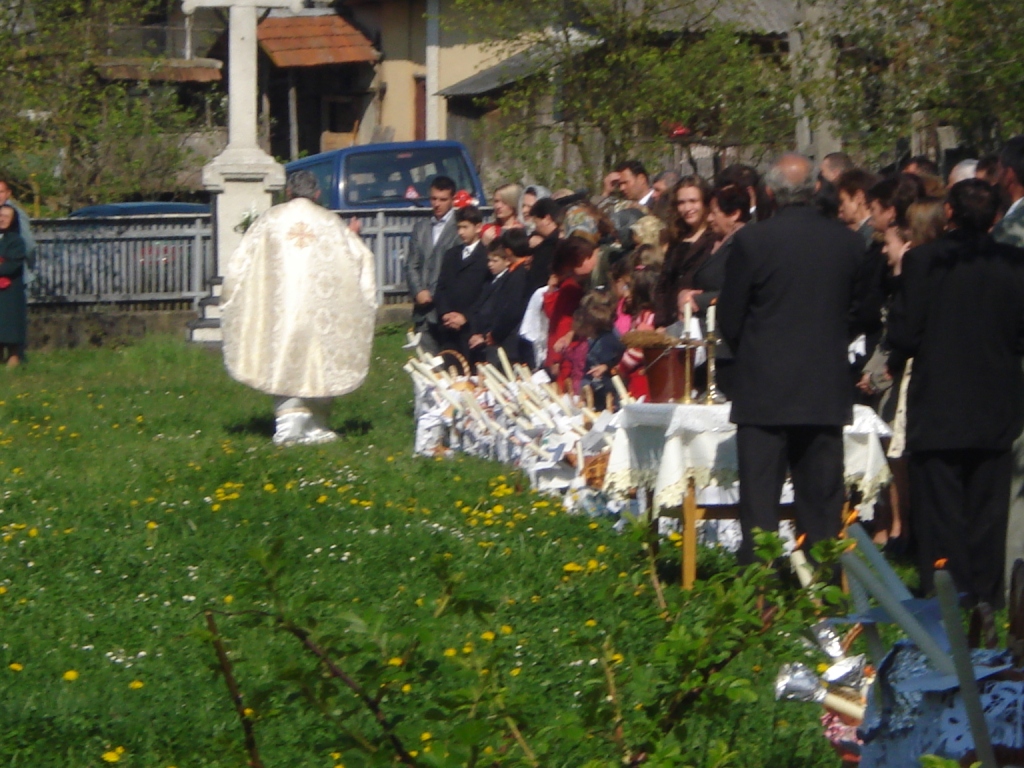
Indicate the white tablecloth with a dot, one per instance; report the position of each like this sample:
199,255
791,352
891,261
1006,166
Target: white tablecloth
664,446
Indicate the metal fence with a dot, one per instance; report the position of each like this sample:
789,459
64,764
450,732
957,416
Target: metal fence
171,257
122,259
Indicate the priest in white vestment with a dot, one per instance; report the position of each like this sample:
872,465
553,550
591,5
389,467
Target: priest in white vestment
297,311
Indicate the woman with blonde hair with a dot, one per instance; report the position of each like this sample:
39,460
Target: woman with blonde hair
506,207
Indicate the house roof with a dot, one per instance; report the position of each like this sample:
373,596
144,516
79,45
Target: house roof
169,70
508,71
312,40
767,17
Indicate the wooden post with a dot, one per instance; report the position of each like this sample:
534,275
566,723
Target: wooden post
293,117
691,514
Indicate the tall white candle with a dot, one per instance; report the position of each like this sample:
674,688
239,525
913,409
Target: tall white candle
711,319
687,316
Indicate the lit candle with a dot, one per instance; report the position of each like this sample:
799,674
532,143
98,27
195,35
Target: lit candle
711,319
798,561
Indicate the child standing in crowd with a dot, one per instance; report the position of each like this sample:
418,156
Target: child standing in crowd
641,305
573,261
463,275
494,321
619,275
603,349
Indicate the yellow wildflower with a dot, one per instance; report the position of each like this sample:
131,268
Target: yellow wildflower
321,499
488,636
33,532
3,590
590,623
152,525
406,688
15,667
396,661
135,684
506,629
248,711
450,652
616,658
601,549
111,756
71,675
425,736
228,599
515,671
572,567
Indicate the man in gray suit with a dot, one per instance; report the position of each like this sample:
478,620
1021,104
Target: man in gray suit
1010,230
430,239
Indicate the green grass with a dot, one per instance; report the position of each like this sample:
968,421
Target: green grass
139,486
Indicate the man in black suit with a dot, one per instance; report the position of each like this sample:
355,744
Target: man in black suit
785,309
463,275
960,315
547,218
431,238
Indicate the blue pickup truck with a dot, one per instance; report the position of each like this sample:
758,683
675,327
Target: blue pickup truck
394,175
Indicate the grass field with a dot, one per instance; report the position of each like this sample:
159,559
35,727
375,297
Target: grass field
140,488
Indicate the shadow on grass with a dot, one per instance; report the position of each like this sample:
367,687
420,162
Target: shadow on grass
264,426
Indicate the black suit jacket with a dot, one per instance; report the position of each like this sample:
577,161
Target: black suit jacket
500,310
959,313
540,267
461,280
784,310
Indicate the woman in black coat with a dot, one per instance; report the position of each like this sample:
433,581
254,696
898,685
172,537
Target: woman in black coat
13,309
728,212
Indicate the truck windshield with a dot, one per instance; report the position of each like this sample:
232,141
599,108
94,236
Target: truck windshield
388,176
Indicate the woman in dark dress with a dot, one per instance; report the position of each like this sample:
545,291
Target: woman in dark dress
690,243
12,288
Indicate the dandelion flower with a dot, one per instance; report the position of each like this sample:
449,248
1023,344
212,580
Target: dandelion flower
406,688
450,652
3,590
152,525
601,549
135,684
506,629
590,623
616,658
15,667
396,661
269,487
425,736
572,567
248,711
111,756
592,565
515,671
228,599
71,675
488,636
321,498
33,532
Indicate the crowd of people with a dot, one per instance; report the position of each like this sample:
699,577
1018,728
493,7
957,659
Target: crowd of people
833,285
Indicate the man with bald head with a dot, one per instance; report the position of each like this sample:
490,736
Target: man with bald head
785,310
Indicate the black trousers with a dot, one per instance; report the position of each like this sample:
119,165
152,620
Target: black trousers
814,456
961,499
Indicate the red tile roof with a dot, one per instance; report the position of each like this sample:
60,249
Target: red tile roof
311,41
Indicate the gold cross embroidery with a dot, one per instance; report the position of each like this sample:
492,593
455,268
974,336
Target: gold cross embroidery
301,234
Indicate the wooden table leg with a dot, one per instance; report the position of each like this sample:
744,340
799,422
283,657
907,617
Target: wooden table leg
689,552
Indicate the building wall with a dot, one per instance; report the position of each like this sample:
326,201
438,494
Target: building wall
400,28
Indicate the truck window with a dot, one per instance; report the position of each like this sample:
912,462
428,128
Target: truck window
388,175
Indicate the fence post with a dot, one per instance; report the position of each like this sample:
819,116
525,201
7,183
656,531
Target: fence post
198,262
380,255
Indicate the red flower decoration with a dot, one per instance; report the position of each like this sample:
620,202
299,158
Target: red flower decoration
462,199
5,282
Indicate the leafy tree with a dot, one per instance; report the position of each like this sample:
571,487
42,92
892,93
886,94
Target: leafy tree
612,79
903,65
69,135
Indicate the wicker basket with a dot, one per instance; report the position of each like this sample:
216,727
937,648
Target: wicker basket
595,468
451,356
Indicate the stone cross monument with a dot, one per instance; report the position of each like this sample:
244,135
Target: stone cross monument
243,176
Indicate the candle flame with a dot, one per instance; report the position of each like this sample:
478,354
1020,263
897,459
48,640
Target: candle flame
852,517
800,540
941,562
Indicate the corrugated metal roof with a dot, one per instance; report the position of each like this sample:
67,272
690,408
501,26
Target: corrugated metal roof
768,17
510,70
313,40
